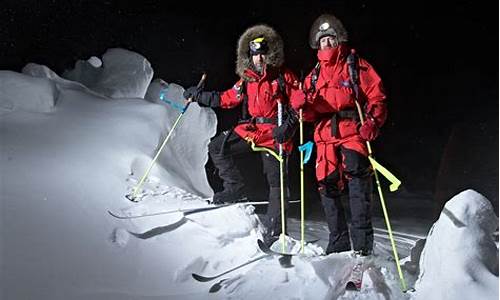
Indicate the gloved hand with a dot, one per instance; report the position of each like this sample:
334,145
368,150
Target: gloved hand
369,130
285,132
210,99
192,92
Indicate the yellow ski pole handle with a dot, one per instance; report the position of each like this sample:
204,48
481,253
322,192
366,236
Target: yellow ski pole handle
146,174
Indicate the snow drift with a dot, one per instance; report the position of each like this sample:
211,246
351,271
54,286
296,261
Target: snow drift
460,258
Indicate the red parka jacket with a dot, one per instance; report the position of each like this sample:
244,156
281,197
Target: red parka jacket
332,94
263,94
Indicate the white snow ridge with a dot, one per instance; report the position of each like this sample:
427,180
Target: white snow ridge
71,149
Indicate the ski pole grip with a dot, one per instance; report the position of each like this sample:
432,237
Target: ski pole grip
199,85
203,77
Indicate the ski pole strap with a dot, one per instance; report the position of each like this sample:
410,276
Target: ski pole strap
255,148
175,105
307,148
395,183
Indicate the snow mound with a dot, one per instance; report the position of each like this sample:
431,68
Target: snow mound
41,71
461,249
26,93
120,74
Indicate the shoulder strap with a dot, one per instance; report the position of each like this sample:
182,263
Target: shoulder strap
282,86
352,64
314,77
242,94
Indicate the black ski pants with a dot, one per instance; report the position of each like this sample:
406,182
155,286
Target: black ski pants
222,150
357,171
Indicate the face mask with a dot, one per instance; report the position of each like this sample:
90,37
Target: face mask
330,54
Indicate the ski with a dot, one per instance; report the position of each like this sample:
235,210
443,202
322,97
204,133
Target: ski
267,253
202,278
184,211
188,211
355,280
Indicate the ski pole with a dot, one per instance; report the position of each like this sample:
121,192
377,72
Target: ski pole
382,202
302,198
282,183
133,196
351,61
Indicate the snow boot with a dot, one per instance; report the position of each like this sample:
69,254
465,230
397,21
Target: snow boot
230,196
272,220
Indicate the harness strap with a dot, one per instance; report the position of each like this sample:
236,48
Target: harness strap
337,116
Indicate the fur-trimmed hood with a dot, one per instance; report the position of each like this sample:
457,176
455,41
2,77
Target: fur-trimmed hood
275,56
333,27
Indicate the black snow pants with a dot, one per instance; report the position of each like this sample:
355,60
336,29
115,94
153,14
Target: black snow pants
357,171
222,150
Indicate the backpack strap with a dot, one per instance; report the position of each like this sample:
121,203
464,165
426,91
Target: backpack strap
353,67
242,94
314,77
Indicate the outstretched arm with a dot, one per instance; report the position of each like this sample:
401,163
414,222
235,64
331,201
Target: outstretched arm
226,99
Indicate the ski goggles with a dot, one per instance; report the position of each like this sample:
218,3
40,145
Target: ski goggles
258,46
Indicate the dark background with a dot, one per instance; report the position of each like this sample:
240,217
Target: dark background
438,60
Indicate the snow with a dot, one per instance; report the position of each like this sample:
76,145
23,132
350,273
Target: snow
460,252
120,74
25,93
67,162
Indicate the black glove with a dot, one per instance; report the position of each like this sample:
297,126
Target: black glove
285,132
210,99
193,93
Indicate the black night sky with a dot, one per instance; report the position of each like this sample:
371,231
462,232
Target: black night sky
439,63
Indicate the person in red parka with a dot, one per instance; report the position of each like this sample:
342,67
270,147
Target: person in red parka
342,156
264,84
